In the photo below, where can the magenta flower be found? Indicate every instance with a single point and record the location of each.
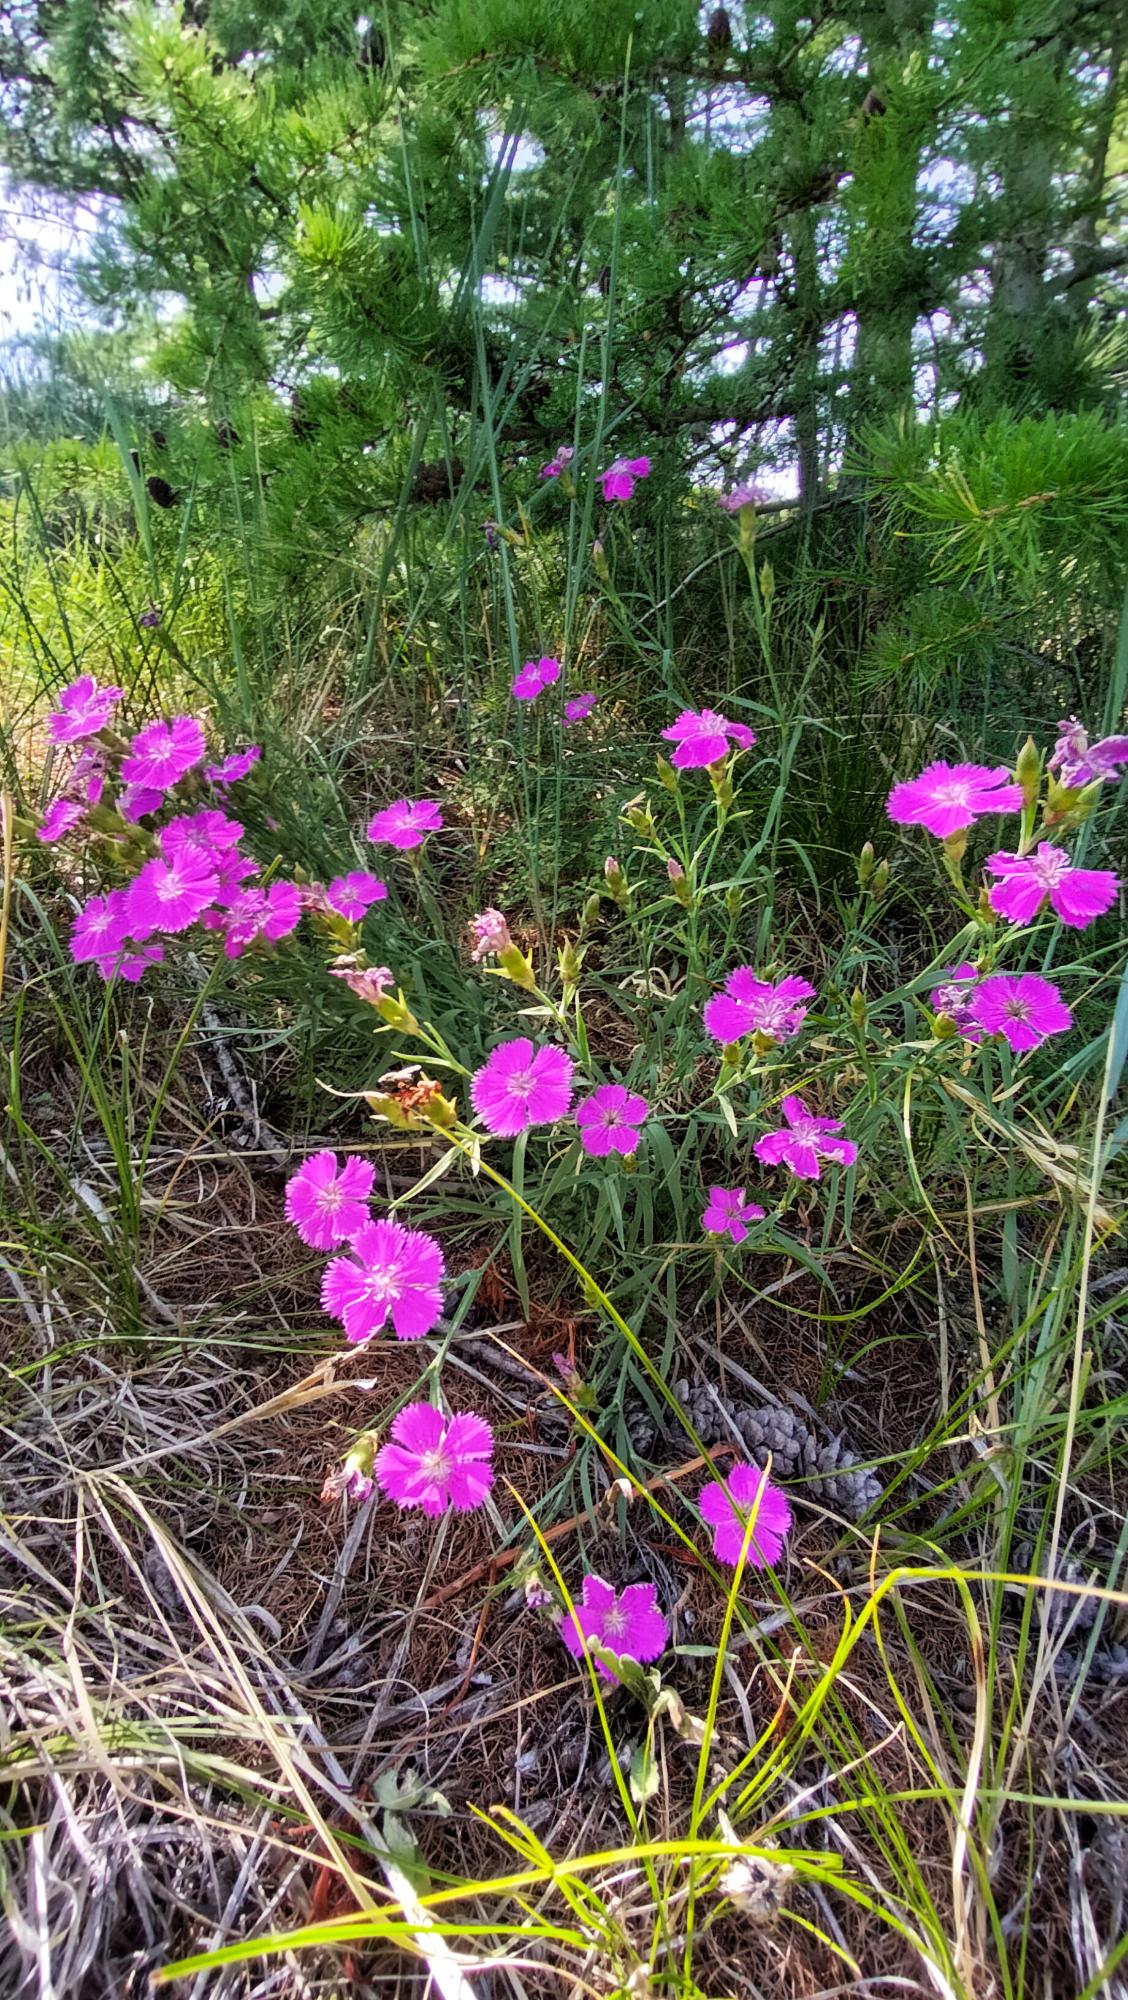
(609, 1120)
(161, 754)
(1080, 762)
(747, 1005)
(436, 1462)
(628, 1623)
(750, 1491)
(61, 818)
(804, 1141)
(561, 458)
(328, 1205)
(578, 709)
(100, 927)
(1077, 895)
(130, 963)
(947, 797)
(489, 934)
(169, 895)
(618, 481)
(260, 913)
(728, 1213)
(520, 1085)
(150, 619)
(704, 738)
(138, 801)
(1022, 1007)
(534, 677)
(84, 708)
(234, 766)
(353, 895)
(747, 495)
(394, 1271)
(232, 869)
(208, 830)
(406, 823)
(953, 997)
(368, 982)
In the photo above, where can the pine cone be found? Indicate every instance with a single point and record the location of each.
(796, 1453)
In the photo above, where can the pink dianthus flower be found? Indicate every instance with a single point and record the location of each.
(61, 818)
(131, 962)
(100, 927)
(162, 754)
(138, 801)
(748, 1005)
(406, 823)
(578, 709)
(804, 1141)
(169, 895)
(948, 797)
(436, 1462)
(392, 1271)
(953, 997)
(610, 1120)
(534, 677)
(489, 934)
(618, 481)
(84, 708)
(749, 1490)
(746, 495)
(1022, 1007)
(561, 458)
(628, 1622)
(520, 1085)
(703, 738)
(1076, 895)
(728, 1213)
(209, 831)
(353, 895)
(234, 766)
(328, 1205)
(368, 982)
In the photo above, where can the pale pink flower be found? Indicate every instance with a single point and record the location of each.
(953, 997)
(578, 709)
(728, 1213)
(100, 927)
(138, 801)
(1076, 895)
(1022, 1007)
(746, 495)
(748, 1005)
(394, 1271)
(520, 1085)
(406, 823)
(234, 766)
(327, 1204)
(804, 1141)
(353, 895)
(750, 1493)
(436, 1462)
(61, 818)
(610, 1120)
(489, 934)
(561, 458)
(84, 708)
(948, 797)
(368, 982)
(260, 913)
(618, 481)
(169, 895)
(1080, 762)
(162, 754)
(534, 677)
(703, 738)
(628, 1623)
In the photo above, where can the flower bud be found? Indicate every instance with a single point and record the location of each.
(866, 861)
(667, 775)
(944, 1026)
(514, 964)
(1028, 770)
(600, 560)
(880, 882)
(590, 912)
(721, 783)
(767, 582)
(570, 963)
(858, 1008)
(734, 901)
(641, 821)
(618, 888)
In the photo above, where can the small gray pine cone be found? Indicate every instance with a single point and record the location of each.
(796, 1453)
(1108, 1664)
(639, 1424)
